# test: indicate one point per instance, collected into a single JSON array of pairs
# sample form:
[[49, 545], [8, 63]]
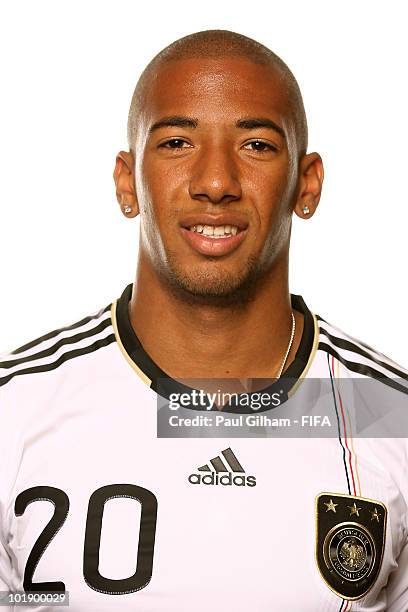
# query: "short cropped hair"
[[216, 44]]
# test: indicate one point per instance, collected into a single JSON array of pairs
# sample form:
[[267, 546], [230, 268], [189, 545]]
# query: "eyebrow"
[[259, 122], [174, 121]]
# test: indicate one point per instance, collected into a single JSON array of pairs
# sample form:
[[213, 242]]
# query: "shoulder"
[[50, 351], [368, 391], [356, 356]]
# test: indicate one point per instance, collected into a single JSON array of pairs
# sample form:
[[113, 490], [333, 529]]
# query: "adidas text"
[[223, 479]]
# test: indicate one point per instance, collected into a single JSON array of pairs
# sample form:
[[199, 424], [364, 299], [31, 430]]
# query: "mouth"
[[214, 239], [215, 231]]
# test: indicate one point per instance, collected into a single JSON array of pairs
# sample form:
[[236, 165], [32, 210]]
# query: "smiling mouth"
[[215, 231], [214, 240]]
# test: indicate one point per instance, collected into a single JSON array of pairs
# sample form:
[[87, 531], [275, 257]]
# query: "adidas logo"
[[227, 472]]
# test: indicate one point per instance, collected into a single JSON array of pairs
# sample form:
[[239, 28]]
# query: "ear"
[[124, 178], [311, 176]]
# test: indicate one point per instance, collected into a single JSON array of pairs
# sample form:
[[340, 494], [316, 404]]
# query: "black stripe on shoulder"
[[54, 333], [367, 346], [350, 346], [363, 369], [65, 357], [54, 348]]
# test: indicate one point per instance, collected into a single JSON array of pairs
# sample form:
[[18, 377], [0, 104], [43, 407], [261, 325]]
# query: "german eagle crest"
[[350, 537]]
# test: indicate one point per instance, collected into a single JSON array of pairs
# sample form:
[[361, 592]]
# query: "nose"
[[215, 177]]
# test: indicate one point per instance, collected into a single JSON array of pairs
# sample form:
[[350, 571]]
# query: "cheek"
[[162, 184], [274, 192], [145, 193], [271, 192], [270, 177], [148, 184], [158, 204]]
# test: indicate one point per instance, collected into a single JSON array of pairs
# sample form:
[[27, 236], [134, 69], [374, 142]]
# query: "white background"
[[68, 73]]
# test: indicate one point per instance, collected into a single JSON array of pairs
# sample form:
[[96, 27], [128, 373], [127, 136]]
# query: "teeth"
[[208, 230], [220, 231]]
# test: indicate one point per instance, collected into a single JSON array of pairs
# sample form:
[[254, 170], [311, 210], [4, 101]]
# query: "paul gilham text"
[[248, 420]]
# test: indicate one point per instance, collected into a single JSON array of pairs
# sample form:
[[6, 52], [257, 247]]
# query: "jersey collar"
[[162, 383]]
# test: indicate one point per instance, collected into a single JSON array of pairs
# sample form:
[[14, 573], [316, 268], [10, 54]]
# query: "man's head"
[[217, 136]]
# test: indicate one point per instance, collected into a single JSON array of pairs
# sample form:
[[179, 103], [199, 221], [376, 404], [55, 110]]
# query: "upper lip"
[[227, 218]]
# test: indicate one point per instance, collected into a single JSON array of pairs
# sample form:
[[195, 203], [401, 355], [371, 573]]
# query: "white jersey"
[[95, 504]]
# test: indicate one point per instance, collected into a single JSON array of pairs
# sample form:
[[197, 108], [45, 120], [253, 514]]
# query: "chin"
[[214, 288]]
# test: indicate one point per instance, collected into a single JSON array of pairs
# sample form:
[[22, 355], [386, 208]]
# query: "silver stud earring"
[[127, 209], [306, 210]]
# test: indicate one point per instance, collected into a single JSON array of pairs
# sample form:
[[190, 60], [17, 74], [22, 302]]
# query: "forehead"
[[225, 88]]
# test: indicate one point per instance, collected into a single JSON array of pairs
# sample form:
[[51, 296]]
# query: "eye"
[[259, 146], [175, 143]]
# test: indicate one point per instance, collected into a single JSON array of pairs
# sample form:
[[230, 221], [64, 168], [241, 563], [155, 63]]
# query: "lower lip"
[[213, 246]]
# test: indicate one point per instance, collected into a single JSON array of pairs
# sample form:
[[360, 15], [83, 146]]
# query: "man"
[[93, 500]]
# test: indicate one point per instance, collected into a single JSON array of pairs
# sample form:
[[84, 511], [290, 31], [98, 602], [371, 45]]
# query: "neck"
[[200, 341]]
